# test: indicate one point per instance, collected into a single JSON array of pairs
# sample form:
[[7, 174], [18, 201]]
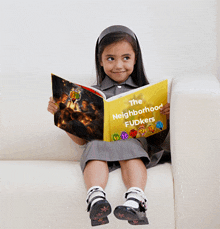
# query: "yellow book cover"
[[85, 112], [136, 114]]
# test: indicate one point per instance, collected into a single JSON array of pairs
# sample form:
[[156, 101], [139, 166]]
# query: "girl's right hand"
[[52, 106]]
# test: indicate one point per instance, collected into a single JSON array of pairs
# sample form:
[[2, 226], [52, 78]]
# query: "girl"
[[119, 68]]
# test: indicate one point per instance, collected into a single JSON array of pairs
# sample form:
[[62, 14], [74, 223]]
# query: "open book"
[[85, 112]]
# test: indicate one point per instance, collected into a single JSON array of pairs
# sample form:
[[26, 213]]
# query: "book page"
[[80, 109]]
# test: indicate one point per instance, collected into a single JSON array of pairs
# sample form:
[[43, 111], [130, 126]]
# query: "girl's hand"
[[52, 106], [165, 110]]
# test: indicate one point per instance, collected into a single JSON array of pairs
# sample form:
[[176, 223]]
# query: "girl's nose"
[[118, 64]]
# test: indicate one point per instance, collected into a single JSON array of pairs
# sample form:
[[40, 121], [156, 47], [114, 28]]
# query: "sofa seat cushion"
[[51, 194]]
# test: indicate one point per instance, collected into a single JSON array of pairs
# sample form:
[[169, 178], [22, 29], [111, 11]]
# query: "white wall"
[[40, 37], [218, 37]]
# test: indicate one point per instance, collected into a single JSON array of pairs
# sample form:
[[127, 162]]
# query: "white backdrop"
[[39, 37], [218, 37]]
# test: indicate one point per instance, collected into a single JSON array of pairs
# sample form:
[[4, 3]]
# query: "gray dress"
[[113, 152]]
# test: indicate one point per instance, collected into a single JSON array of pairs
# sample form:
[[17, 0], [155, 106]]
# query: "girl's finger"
[[165, 111], [166, 106], [54, 108], [52, 100]]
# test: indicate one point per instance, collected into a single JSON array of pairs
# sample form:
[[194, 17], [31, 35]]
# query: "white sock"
[[136, 193], [93, 192]]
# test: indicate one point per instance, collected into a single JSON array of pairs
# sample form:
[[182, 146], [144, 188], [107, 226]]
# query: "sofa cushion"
[[51, 194]]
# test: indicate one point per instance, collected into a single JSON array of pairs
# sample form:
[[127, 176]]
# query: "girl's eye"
[[126, 58], [110, 59]]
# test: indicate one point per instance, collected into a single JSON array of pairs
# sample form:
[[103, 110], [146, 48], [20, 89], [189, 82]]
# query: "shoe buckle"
[[143, 205]]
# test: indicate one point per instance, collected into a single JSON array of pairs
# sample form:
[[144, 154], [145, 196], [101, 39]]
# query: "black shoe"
[[99, 211], [135, 216]]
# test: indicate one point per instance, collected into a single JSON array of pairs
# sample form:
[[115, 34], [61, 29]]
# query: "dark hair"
[[138, 75], [86, 100]]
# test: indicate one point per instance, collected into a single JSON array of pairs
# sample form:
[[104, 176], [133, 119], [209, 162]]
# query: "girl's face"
[[118, 60]]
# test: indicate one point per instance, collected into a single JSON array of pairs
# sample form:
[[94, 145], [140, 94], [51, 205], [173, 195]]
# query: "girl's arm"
[[52, 108]]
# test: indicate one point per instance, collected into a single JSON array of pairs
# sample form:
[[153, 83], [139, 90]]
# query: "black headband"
[[116, 28]]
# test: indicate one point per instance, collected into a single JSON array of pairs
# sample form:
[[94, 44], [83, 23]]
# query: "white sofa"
[[41, 183]]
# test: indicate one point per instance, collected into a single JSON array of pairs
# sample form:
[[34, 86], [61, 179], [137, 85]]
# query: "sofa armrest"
[[195, 147]]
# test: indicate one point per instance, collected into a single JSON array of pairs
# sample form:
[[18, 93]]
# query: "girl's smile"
[[118, 60]]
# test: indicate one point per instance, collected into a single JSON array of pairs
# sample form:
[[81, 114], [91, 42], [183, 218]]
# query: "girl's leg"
[[134, 173], [96, 177], [96, 174]]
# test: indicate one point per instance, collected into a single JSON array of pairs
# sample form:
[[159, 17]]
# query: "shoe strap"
[[90, 202], [127, 193], [136, 192], [92, 191], [142, 205], [133, 191]]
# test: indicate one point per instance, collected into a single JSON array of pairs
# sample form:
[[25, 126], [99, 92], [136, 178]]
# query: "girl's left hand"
[[165, 110]]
